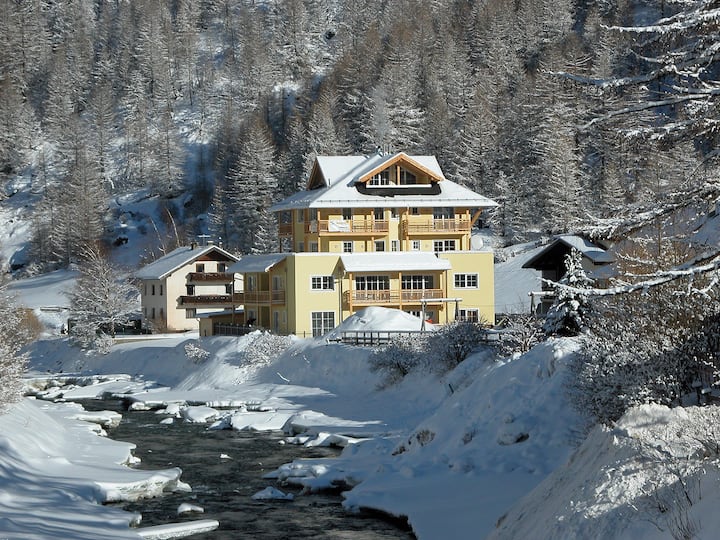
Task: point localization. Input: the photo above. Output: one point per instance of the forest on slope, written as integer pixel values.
(558, 109)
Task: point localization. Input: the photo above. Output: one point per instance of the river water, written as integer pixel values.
(224, 487)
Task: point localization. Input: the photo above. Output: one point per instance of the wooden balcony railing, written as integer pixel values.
(209, 277)
(344, 227)
(262, 297)
(434, 226)
(285, 229)
(392, 297)
(206, 300)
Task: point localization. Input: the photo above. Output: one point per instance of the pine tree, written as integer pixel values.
(568, 314)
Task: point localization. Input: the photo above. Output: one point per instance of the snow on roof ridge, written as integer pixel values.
(177, 258)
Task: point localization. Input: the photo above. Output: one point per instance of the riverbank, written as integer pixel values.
(57, 473)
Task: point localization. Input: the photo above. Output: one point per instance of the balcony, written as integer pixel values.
(207, 278)
(209, 300)
(436, 226)
(285, 229)
(392, 297)
(342, 227)
(262, 297)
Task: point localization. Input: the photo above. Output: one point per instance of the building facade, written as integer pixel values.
(184, 284)
(381, 230)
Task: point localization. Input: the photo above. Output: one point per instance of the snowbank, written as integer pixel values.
(55, 472)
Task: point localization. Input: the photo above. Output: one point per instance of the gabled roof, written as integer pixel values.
(257, 263)
(400, 261)
(552, 254)
(179, 257)
(334, 180)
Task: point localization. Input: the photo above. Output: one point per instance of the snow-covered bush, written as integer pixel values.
(197, 354)
(399, 358)
(520, 333)
(265, 347)
(453, 343)
(568, 312)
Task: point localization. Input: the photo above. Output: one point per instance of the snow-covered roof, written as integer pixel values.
(593, 252)
(341, 175)
(257, 263)
(398, 261)
(178, 258)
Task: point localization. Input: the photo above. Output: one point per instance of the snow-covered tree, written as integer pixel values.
(15, 334)
(571, 307)
(100, 301)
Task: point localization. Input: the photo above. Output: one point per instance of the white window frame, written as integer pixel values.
(380, 244)
(469, 314)
(314, 248)
(440, 246)
(394, 245)
(321, 322)
(417, 282)
(372, 283)
(463, 280)
(380, 179)
(322, 283)
(416, 245)
(347, 246)
(347, 214)
(190, 313)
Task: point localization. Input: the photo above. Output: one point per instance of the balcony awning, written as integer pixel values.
(257, 263)
(393, 262)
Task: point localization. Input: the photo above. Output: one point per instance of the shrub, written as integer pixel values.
(399, 358)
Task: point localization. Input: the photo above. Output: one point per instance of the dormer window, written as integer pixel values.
(406, 177)
(380, 179)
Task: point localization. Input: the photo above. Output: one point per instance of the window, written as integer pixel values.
(277, 283)
(394, 213)
(443, 245)
(347, 247)
(379, 214)
(300, 215)
(443, 213)
(406, 177)
(372, 283)
(313, 214)
(415, 211)
(417, 282)
(416, 245)
(228, 288)
(199, 267)
(222, 267)
(322, 283)
(313, 247)
(466, 281)
(190, 289)
(469, 315)
(152, 288)
(394, 245)
(161, 289)
(429, 315)
(322, 322)
(380, 179)
(301, 247)
(152, 313)
(251, 283)
(379, 245)
(347, 214)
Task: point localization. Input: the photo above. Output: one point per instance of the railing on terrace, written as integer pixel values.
(369, 338)
(262, 297)
(205, 277)
(228, 329)
(437, 226)
(206, 300)
(341, 226)
(392, 296)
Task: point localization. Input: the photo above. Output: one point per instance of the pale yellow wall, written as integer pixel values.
(473, 262)
(303, 300)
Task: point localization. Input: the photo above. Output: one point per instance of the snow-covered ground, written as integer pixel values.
(493, 449)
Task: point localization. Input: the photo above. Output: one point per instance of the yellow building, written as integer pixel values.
(381, 230)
